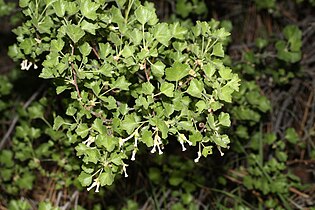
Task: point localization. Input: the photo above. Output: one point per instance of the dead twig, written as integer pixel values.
(299, 193)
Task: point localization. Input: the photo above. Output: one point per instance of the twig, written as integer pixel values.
(74, 197)
(74, 74)
(16, 118)
(306, 111)
(305, 162)
(299, 193)
(75, 81)
(232, 179)
(96, 53)
(147, 73)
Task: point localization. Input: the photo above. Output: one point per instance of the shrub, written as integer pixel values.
(127, 80)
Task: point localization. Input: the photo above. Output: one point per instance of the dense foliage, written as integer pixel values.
(107, 89)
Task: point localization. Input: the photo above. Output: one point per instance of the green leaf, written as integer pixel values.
(261, 43)
(106, 178)
(45, 25)
(85, 49)
(74, 32)
(226, 93)
(110, 101)
(123, 108)
(291, 136)
(115, 39)
(36, 111)
(24, 3)
(161, 125)
(142, 102)
(57, 45)
(19, 204)
(162, 33)
(88, 9)
(27, 45)
(224, 119)
(155, 175)
(60, 8)
(99, 126)
(144, 15)
(25, 181)
(46, 206)
(71, 111)
(195, 137)
(89, 27)
(221, 141)
(158, 69)
(226, 73)
(183, 8)
(221, 34)
(135, 36)
(81, 148)
(108, 142)
(201, 105)
(91, 156)
(284, 54)
(147, 138)
(294, 37)
(167, 89)
(175, 179)
(130, 122)
(177, 72)
(58, 122)
(82, 130)
(218, 50)
(147, 88)
(195, 88)
(85, 179)
(72, 8)
(121, 83)
(168, 108)
(178, 31)
(209, 70)
(186, 125)
(95, 86)
(121, 3)
(6, 158)
(128, 51)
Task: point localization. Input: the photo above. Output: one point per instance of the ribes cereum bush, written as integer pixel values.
(130, 79)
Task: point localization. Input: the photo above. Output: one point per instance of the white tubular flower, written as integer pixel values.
(189, 142)
(95, 183)
(125, 169)
(38, 40)
(219, 148)
(121, 142)
(160, 151)
(133, 157)
(29, 66)
(89, 141)
(183, 146)
(182, 139)
(24, 65)
(153, 150)
(199, 155)
(157, 143)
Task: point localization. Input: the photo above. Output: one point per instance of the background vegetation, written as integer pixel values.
(271, 160)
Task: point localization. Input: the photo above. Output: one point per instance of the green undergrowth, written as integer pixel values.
(131, 112)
